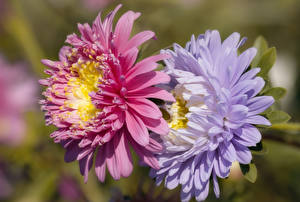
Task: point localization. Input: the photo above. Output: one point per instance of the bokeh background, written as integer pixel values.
(31, 165)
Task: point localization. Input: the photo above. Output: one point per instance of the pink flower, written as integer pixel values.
(17, 93)
(98, 94)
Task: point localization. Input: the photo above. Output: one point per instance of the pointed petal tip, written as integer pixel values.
(45, 61)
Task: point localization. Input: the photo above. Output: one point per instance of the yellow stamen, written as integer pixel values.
(85, 80)
(178, 112)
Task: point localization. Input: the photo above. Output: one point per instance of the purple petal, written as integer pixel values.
(171, 182)
(201, 195)
(259, 104)
(216, 185)
(249, 136)
(243, 154)
(257, 119)
(238, 113)
(228, 151)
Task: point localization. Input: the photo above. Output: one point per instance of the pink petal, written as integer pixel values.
(145, 65)
(158, 126)
(74, 40)
(85, 165)
(63, 53)
(129, 59)
(123, 155)
(137, 128)
(112, 162)
(105, 28)
(118, 123)
(100, 163)
(72, 152)
(84, 152)
(53, 65)
(124, 27)
(102, 36)
(137, 40)
(145, 155)
(152, 92)
(145, 108)
(108, 21)
(86, 32)
(146, 80)
(154, 146)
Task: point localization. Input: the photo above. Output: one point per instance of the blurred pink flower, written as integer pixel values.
(17, 92)
(69, 189)
(3, 9)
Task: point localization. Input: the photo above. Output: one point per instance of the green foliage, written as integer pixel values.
(278, 116)
(259, 149)
(265, 59)
(266, 62)
(277, 92)
(249, 171)
(261, 46)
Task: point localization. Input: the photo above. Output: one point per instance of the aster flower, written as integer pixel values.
(97, 97)
(17, 92)
(213, 119)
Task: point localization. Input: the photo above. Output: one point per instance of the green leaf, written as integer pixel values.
(267, 86)
(277, 93)
(261, 46)
(160, 66)
(278, 117)
(157, 101)
(269, 110)
(249, 171)
(165, 114)
(266, 62)
(259, 149)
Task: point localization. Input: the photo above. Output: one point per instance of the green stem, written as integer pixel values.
(287, 127)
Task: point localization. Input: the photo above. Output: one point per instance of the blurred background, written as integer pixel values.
(31, 165)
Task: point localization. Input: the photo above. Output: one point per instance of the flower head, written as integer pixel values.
(213, 120)
(17, 92)
(97, 96)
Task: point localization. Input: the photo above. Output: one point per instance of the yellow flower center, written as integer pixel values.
(85, 80)
(178, 112)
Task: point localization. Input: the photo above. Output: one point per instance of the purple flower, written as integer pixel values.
(17, 93)
(213, 121)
